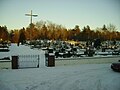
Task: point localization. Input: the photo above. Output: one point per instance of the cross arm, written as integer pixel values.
(28, 14)
(35, 15)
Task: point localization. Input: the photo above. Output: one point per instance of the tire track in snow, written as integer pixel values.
(75, 80)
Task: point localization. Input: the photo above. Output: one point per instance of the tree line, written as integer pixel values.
(52, 31)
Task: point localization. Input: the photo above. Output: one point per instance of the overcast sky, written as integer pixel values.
(69, 13)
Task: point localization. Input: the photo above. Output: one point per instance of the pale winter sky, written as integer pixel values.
(69, 13)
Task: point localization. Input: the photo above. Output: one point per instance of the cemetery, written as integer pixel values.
(64, 49)
(39, 69)
(60, 45)
(48, 53)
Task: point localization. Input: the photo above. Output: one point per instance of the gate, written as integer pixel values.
(28, 61)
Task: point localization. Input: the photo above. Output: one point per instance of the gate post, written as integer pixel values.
(38, 61)
(51, 60)
(14, 62)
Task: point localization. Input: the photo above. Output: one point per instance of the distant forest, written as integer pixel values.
(52, 31)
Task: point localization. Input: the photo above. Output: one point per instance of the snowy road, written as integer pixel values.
(79, 77)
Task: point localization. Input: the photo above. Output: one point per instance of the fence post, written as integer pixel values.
(14, 62)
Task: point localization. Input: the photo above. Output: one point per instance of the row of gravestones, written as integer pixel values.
(4, 46)
(63, 49)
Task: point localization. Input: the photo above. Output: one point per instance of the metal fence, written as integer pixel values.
(28, 61)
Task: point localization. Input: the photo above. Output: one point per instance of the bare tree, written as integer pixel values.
(111, 27)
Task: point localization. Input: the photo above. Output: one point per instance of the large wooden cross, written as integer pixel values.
(31, 15)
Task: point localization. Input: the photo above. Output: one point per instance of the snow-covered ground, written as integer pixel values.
(86, 60)
(87, 76)
(78, 77)
(19, 50)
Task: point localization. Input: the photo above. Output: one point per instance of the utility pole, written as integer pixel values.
(31, 15)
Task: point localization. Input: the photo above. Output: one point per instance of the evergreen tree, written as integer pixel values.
(104, 28)
(22, 37)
